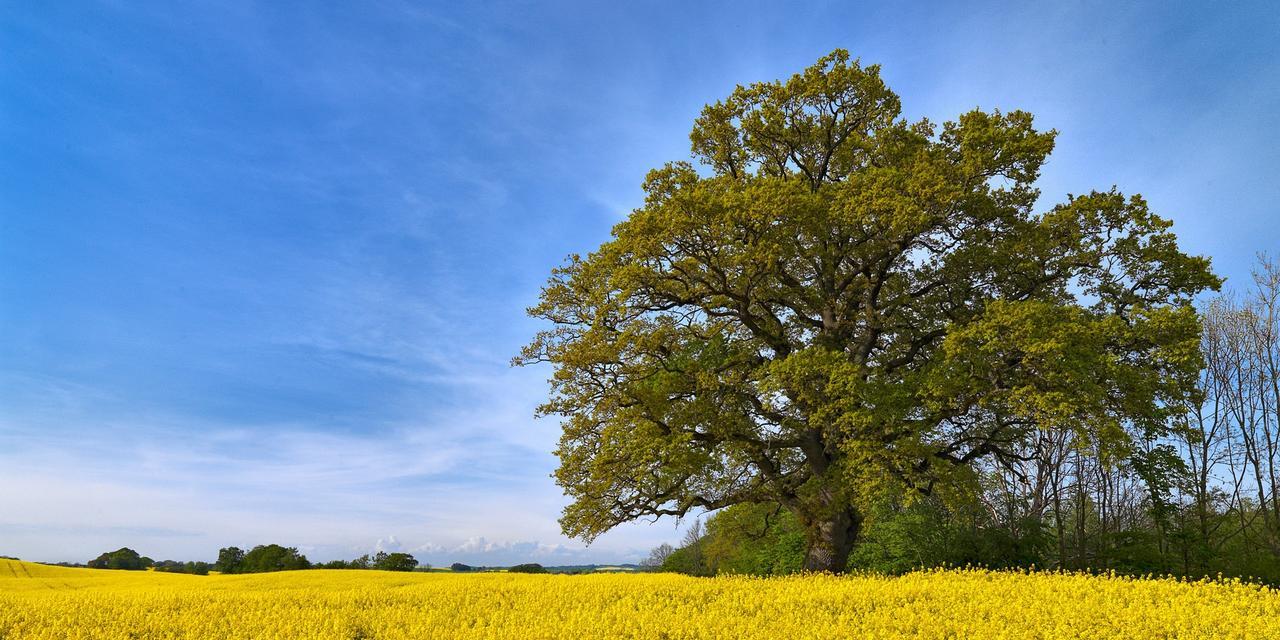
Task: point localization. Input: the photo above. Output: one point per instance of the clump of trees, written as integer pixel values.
(531, 567)
(230, 560)
(395, 562)
(461, 568)
(174, 566)
(129, 560)
(122, 558)
(260, 559)
(382, 561)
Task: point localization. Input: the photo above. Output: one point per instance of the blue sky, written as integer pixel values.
(263, 265)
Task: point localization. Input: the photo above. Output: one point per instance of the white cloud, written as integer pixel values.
(463, 484)
(389, 545)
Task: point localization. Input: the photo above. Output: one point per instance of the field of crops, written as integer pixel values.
(38, 601)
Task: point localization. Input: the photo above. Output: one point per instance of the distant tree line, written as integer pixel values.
(274, 557)
(1200, 498)
(174, 566)
(382, 561)
(127, 559)
(531, 567)
(260, 559)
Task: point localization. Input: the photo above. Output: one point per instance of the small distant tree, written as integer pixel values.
(123, 558)
(531, 567)
(273, 557)
(657, 556)
(175, 566)
(461, 568)
(394, 562)
(230, 560)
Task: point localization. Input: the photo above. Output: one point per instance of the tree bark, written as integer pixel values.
(830, 539)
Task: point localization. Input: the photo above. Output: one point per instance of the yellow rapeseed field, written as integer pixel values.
(37, 601)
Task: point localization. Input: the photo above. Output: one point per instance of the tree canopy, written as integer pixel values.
(531, 567)
(122, 558)
(838, 298)
(394, 561)
(262, 558)
(230, 560)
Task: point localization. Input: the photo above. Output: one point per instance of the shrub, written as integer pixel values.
(531, 567)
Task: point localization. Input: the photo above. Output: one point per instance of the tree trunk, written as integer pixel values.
(830, 539)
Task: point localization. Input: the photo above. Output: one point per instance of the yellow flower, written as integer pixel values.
(38, 601)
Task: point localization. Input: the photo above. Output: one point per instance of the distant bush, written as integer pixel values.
(531, 567)
(122, 558)
(459, 567)
(174, 566)
(394, 561)
(273, 557)
(383, 561)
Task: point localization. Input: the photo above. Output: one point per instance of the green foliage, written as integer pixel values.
(844, 301)
(927, 533)
(531, 567)
(1160, 468)
(758, 539)
(174, 566)
(123, 558)
(902, 536)
(768, 540)
(753, 539)
(382, 561)
(272, 557)
(394, 562)
(461, 568)
(230, 560)
(687, 560)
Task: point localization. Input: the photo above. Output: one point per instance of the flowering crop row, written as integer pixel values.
(38, 601)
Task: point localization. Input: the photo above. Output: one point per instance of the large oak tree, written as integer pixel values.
(838, 296)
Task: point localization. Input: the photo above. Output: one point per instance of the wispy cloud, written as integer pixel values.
(454, 483)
